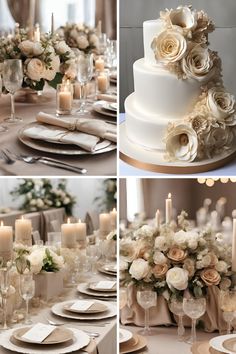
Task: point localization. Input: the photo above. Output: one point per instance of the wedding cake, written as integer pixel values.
(180, 105)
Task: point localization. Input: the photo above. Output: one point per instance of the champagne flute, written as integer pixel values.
(228, 306)
(84, 75)
(12, 80)
(4, 287)
(27, 290)
(176, 307)
(146, 298)
(194, 308)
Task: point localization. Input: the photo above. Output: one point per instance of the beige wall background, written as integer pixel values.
(187, 194)
(134, 12)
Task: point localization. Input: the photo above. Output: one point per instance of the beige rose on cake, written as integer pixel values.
(139, 269)
(217, 138)
(222, 105)
(35, 69)
(176, 254)
(183, 17)
(177, 278)
(169, 47)
(198, 64)
(181, 143)
(210, 276)
(159, 270)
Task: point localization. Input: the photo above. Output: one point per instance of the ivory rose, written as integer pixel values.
(198, 63)
(177, 278)
(139, 269)
(210, 276)
(50, 73)
(222, 105)
(169, 47)
(26, 47)
(176, 254)
(159, 270)
(82, 42)
(159, 258)
(183, 17)
(181, 143)
(128, 250)
(35, 69)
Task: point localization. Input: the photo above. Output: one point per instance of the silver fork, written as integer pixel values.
(7, 158)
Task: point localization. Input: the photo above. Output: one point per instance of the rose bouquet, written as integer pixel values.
(47, 60)
(79, 36)
(176, 259)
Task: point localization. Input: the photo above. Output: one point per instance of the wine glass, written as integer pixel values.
(228, 306)
(27, 290)
(93, 252)
(84, 75)
(176, 307)
(146, 298)
(12, 80)
(4, 287)
(102, 43)
(194, 308)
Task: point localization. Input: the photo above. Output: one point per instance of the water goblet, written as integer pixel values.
(228, 306)
(146, 298)
(194, 308)
(176, 307)
(84, 75)
(12, 80)
(4, 287)
(27, 291)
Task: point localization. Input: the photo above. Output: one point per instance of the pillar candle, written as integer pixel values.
(81, 233)
(77, 91)
(168, 209)
(37, 33)
(113, 218)
(234, 247)
(65, 101)
(158, 219)
(105, 223)
(6, 243)
(68, 235)
(23, 231)
(99, 64)
(102, 81)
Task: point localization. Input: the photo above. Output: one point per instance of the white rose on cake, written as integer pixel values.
(198, 63)
(183, 17)
(139, 269)
(222, 105)
(218, 138)
(177, 278)
(181, 143)
(35, 69)
(169, 47)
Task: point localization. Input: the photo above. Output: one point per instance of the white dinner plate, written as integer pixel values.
(217, 343)
(124, 335)
(62, 149)
(83, 288)
(79, 341)
(58, 309)
(100, 107)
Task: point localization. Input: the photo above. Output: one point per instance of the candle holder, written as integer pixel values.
(102, 81)
(4, 287)
(99, 64)
(64, 98)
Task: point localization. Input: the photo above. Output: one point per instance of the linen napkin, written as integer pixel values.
(107, 97)
(62, 136)
(86, 125)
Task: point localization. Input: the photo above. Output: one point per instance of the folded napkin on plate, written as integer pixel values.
(86, 125)
(107, 97)
(62, 136)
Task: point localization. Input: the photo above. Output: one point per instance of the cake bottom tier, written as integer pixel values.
(143, 129)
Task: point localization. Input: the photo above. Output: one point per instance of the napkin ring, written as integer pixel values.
(73, 126)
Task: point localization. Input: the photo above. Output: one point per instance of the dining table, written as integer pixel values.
(103, 163)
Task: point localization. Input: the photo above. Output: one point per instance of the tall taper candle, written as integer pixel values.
(234, 246)
(52, 23)
(158, 219)
(168, 209)
(113, 215)
(6, 243)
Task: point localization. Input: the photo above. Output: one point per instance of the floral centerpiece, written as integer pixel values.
(79, 36)
(47, 60)
(176, 259)
(40, 194)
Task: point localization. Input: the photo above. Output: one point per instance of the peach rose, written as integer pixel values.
(176, 254)
(210, 276)
(160, 270)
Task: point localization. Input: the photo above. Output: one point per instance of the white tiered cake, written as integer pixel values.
(179, 105)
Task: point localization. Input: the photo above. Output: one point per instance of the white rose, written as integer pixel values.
(144, 231)
(192, 240)
(71, 71)
(35, 69)
(177, 278)
(37, 49)
(183, 17)
(128, 250)
(222, 267)
(139, 269)
(94, 40)
(123, 265)
(61, 47)
(170, 46)
(161, 243)
(66, 201)
(180, 238)
(26, 47)
(198, 64)
(159, 258)
(82, 42)
(74, 33)
(218, 138)
(206, 260)
(29, 195)
(181, 143)
(222, 105)
(49, 74)
(36, 260)
(39, 203)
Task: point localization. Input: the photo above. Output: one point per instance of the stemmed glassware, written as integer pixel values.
(27, 291)
(176, 307)
(84, 75)
(4, 287)
(146, 298)
(12, 80)
(228, 306)
(94, 253)
(102, 43)
(194, 308)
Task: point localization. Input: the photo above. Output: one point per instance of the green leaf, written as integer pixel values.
(57, 80)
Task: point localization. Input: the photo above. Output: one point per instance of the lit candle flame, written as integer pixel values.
(114, 209)
(79, 220)
(2, 223)
(22, 217)
(169, 196)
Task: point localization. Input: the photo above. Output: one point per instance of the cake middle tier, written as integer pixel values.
(157, 91)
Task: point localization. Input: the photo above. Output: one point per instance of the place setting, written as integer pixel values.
(103, 289)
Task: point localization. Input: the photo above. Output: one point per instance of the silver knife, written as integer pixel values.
(49, 162)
